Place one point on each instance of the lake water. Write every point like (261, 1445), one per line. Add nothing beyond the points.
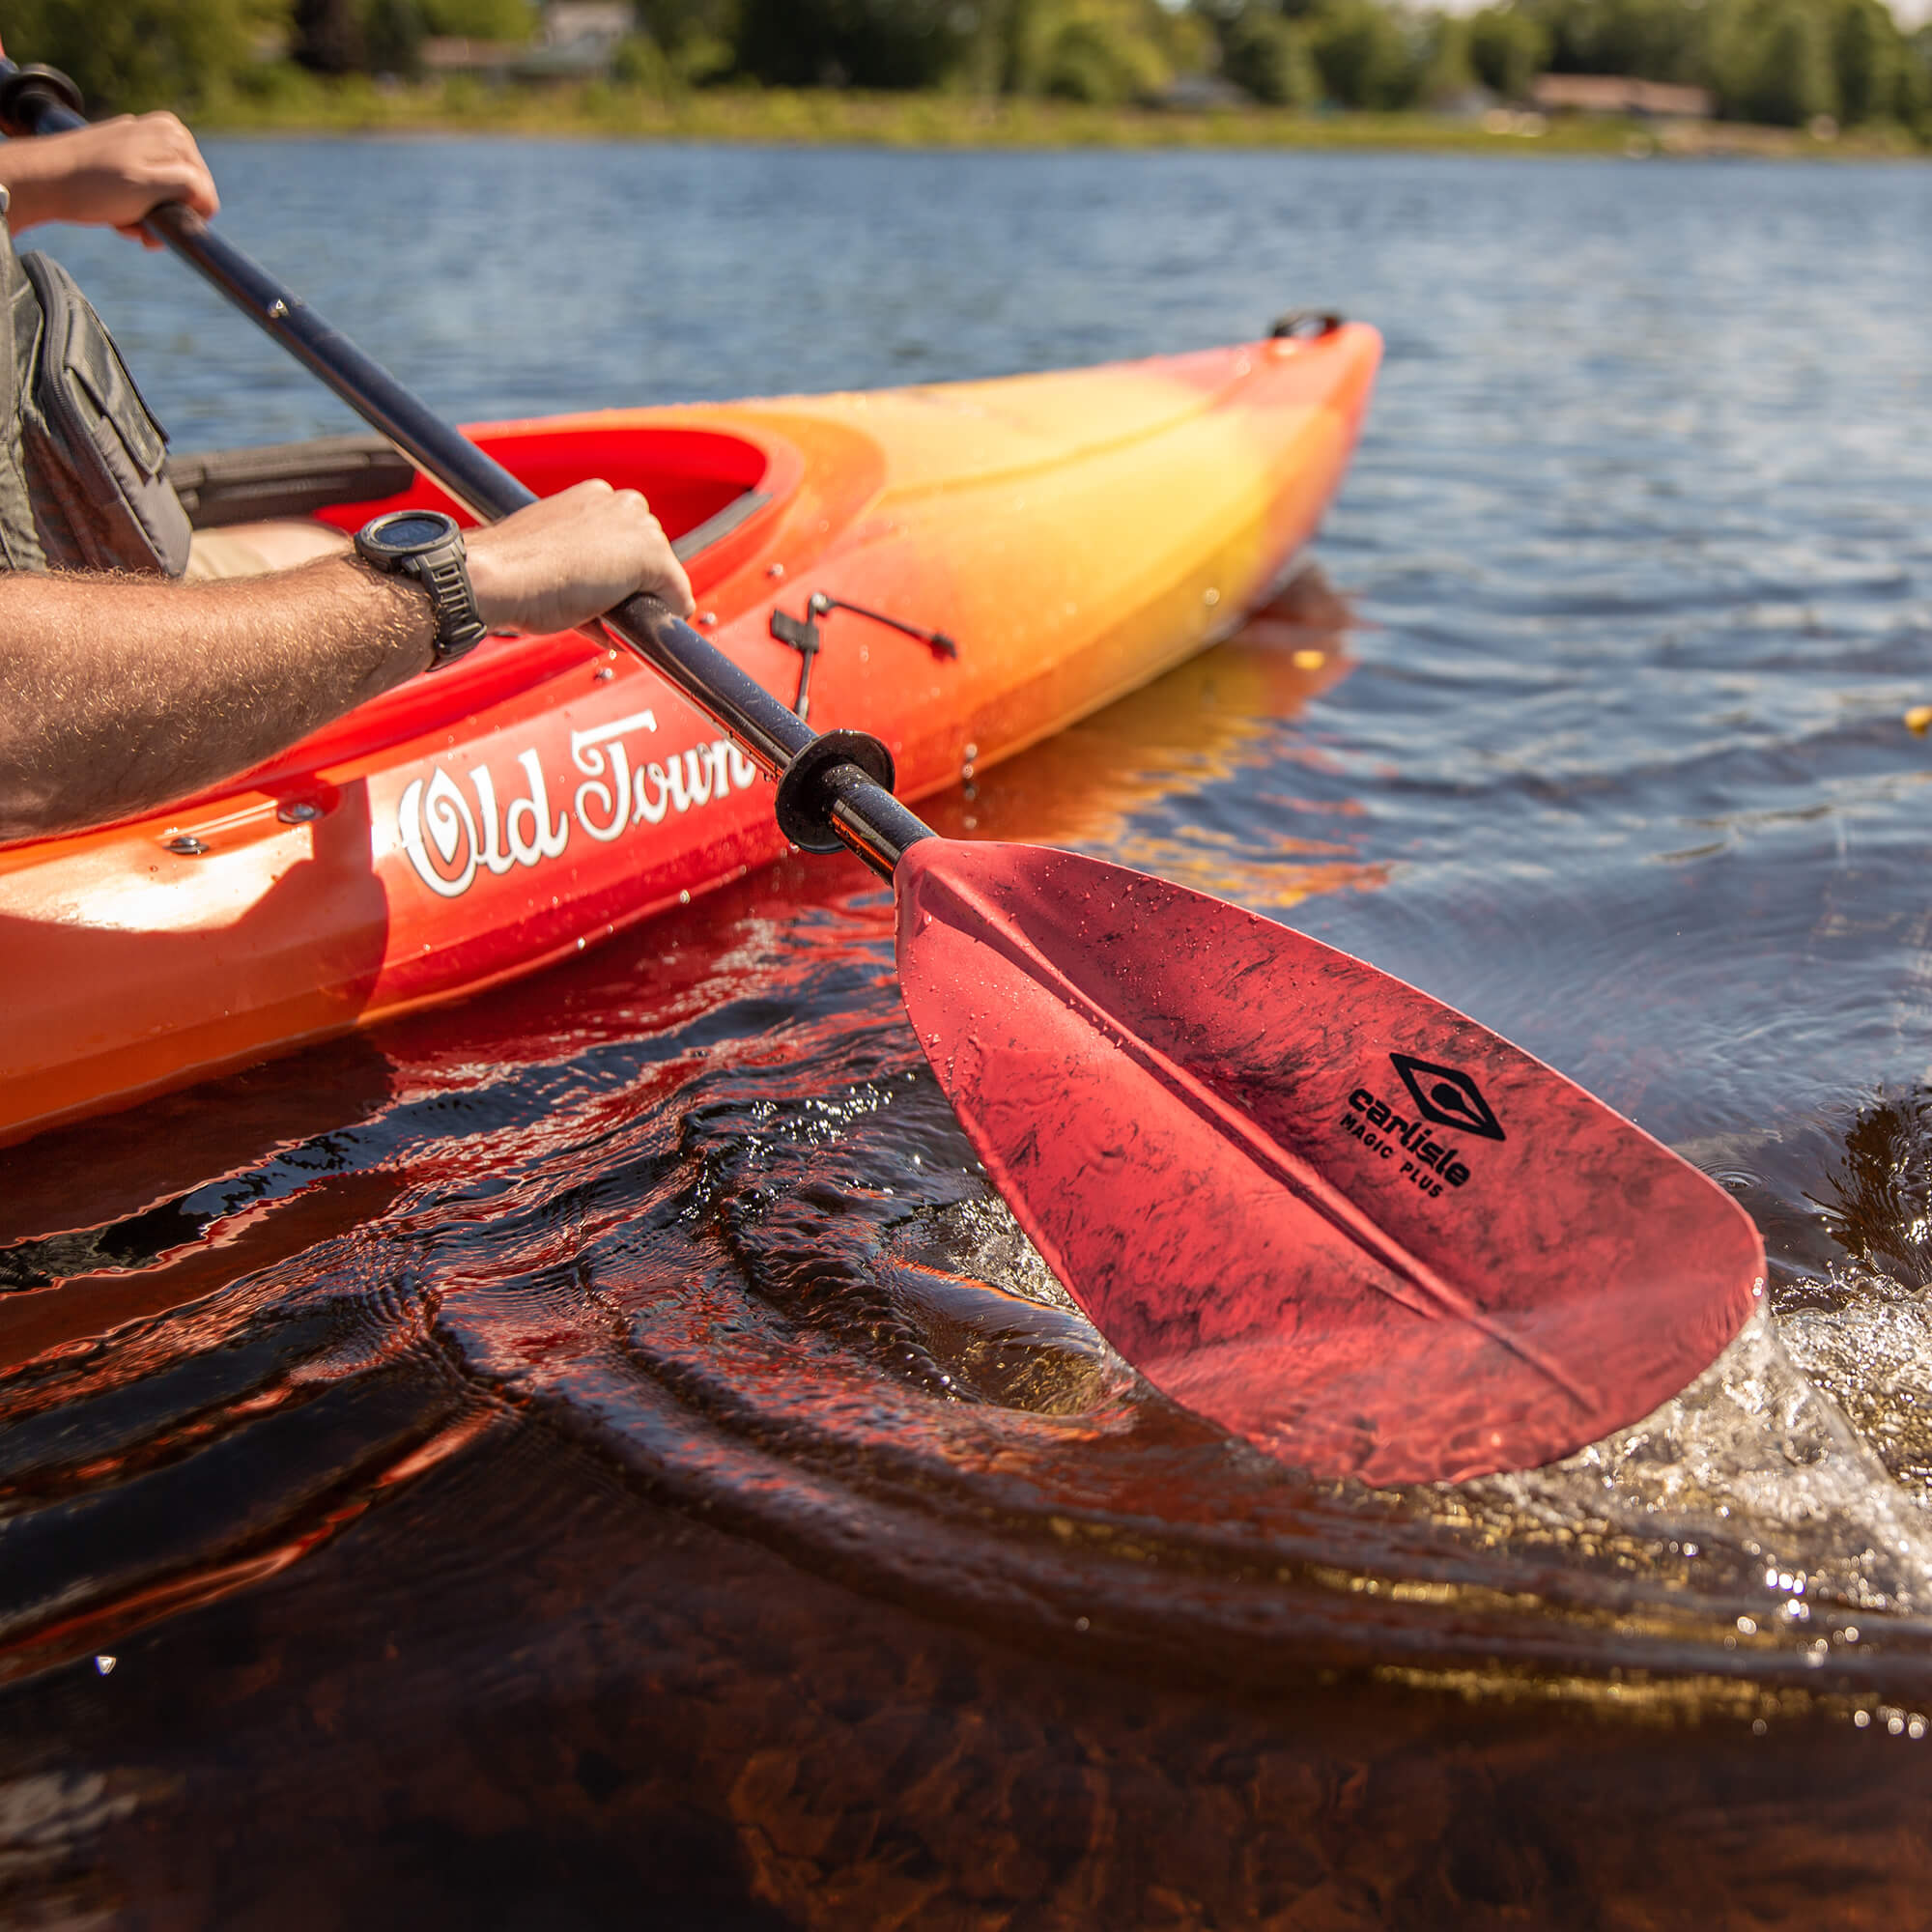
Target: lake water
(571, 1461)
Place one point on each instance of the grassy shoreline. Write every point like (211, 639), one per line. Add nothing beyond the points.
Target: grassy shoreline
(301, 104)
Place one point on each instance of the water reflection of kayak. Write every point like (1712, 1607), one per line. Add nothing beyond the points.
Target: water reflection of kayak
(1217, 720)
(116, 1218)
(1066, 536)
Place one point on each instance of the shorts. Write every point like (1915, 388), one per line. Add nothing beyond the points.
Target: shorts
(214, 554)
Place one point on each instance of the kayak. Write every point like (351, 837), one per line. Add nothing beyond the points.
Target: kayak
(961, 569)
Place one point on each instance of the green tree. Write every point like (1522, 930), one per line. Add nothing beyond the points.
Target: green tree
(640, 63)
(1106, 52)
(512, 21)
(1508, 48)
(886, 43)
(1655, 40)
(1869, 63)
(1267, 56)
(329, 35)
(670, 23)
(1186, 41)
(393, 37)
(681, 43)
(1366, 54)
(133, 54)
(1447, 74)
(1915, 83)
(1770, 61)
(1101, 52)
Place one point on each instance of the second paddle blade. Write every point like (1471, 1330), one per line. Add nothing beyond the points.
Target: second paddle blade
(1305, 1200)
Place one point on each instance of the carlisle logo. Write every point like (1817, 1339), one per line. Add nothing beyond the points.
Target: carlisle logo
(1447, 1097)
(1440, 1097)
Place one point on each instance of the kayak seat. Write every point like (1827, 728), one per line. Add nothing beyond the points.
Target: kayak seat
(221, 487)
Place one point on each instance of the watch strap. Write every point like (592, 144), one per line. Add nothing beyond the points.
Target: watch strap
(444, 575)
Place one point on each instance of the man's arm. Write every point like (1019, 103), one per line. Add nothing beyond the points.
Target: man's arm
(116, 695)
(119, 694)
(112, 173)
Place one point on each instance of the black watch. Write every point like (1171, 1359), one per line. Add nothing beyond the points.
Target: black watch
(428, 546)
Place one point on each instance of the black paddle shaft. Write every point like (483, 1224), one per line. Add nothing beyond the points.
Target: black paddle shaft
(835, 788)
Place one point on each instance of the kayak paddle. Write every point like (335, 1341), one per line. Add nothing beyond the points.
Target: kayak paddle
(1305, 1200)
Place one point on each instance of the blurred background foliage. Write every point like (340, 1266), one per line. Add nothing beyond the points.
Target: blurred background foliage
(142, 53)
(1777, 62)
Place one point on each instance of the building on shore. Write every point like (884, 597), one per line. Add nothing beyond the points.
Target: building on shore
(578, 41)
(1619, 94)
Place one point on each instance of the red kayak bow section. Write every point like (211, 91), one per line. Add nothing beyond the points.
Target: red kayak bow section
(1307, 1200)
(1076, 533)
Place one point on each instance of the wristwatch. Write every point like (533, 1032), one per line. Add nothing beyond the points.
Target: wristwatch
(428, 546)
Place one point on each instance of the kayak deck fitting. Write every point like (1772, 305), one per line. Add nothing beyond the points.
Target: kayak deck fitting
(1069, 535)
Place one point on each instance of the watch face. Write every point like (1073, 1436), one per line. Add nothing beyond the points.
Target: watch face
(405, 532)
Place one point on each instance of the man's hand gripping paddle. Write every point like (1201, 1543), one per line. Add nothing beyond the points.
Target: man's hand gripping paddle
(1303, 1199)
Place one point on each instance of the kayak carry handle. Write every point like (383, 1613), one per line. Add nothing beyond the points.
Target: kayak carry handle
(835, 787)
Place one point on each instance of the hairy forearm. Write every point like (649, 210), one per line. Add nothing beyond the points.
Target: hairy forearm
(113, 172)
(119, 694)
(35, 175)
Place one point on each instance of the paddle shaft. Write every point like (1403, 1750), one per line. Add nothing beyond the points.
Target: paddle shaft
(861, 813)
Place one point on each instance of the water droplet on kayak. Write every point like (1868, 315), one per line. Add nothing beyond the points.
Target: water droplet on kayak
(104, 1663)
(683, 897)
(708, 619)
(775, 570)
(603, 674)
(1210, 597)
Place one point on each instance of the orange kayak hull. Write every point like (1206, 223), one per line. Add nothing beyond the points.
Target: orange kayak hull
(1075, 534)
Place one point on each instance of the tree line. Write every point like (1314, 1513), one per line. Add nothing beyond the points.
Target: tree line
(1781, 62)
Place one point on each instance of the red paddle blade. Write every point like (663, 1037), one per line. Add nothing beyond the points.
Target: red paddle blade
(1305, 1200)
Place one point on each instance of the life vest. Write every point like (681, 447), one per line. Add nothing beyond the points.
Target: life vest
(83, 477)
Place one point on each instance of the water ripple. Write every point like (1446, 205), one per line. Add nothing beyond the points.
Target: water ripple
(625, 1389)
